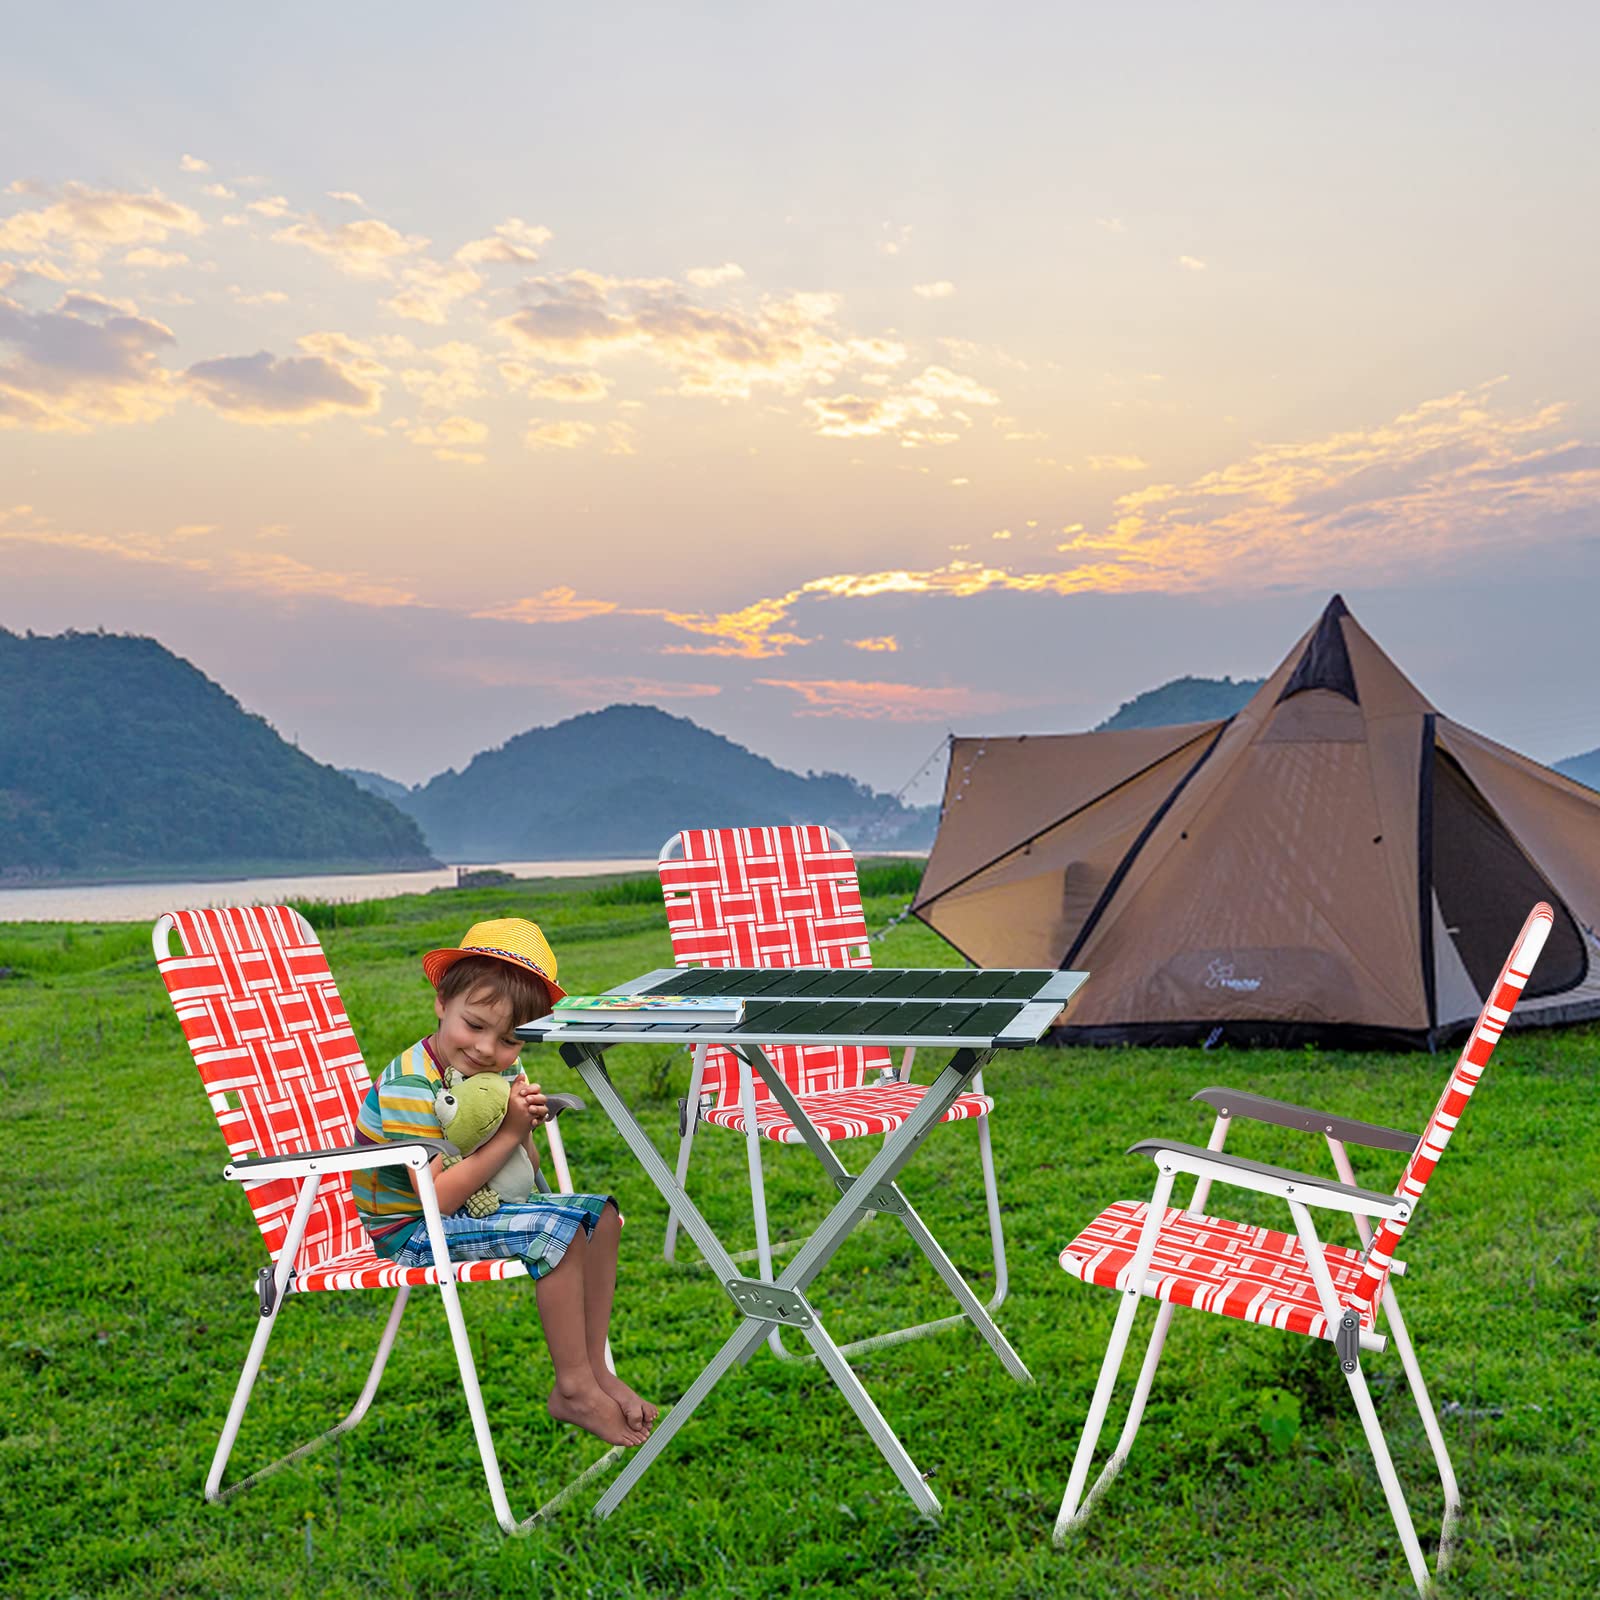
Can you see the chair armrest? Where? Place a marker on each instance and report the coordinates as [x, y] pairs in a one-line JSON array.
[[1283, 1182], [1281, 1114], [304, 1163], [557, 1103]]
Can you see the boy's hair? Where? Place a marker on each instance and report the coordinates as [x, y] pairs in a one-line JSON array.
[[474, 975]]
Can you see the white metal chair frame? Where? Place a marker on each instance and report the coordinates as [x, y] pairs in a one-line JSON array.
[[1300, 1191], [694, 1110], [311, 1169]]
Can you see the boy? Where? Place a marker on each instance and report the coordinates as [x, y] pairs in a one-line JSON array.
[[502, 974]]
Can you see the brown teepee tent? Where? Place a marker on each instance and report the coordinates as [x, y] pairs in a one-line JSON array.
[[1338, 863]]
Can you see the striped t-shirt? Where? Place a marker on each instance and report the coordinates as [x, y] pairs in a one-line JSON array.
[[400, 1105]]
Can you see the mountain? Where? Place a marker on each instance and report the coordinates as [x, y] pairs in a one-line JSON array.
[[1183, 700], [1584, 768], [375, 783], [117, 757], [623, 780]]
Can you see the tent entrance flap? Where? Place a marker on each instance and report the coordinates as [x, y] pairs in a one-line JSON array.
[[1481, 875]]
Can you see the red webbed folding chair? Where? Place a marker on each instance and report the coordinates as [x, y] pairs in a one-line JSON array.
[[789, 897], [1290, 1281], [285, 1077]]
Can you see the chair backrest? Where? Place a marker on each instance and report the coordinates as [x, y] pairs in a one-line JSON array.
[[769, 897], [1457, 1091], [282, 1069]]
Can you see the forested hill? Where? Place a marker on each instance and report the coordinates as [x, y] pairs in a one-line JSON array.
[[117, 756], [1183, 700], [622, 780]]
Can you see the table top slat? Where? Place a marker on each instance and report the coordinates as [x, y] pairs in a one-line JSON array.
[[866, 983], [962, 1006], [780, 1016]]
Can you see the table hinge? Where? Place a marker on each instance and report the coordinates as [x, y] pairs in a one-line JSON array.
[[884, 1198], [765, 1302]]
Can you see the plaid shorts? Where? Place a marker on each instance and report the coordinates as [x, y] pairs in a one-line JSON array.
[[538, 1232]]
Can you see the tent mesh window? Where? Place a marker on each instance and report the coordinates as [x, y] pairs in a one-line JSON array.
[[1485, 883]]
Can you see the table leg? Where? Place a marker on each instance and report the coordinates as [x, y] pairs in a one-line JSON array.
[[743, 1339], [975, 1309], [587, 1061], [939, 1098], [870, 1418]]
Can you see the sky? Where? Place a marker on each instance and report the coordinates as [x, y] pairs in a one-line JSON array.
[[838, 377]]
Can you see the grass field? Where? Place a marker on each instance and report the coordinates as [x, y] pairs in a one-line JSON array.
[[126, 1303]]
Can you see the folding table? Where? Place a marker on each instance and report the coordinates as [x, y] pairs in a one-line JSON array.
[[972, 1012]]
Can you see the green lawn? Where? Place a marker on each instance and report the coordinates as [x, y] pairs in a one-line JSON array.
[[126, 1305]]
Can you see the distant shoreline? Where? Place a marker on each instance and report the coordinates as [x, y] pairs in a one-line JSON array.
[[100, 903], [149, 897], [248, 871]]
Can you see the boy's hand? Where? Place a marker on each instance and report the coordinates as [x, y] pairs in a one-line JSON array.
[[532, 1101], [538, 1105], [519, 1115]]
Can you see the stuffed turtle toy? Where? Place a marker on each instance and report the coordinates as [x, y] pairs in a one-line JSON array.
[[469, 1111]]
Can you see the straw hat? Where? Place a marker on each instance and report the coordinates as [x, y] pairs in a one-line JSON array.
[[511, 939]]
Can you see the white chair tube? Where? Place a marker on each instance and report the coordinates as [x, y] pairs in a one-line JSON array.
[[1311, 1244], [758, 1190], [1347, 1174], [1391, 1482], [1158, 1334], [558, 1157], [258, 1343], [1430, 1426], [450, 1294], [1132, 1289], [991, 1197]]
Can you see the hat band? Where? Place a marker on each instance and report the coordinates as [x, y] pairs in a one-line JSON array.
[[505, 955]]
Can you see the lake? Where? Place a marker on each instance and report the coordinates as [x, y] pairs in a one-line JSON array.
[[144, 902]]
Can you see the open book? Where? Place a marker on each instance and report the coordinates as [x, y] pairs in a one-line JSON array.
[[581, 1008]]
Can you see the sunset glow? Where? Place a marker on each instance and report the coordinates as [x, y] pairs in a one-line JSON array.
[[1034, 394]]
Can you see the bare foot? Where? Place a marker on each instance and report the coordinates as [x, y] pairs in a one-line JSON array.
[[636, 1412], [595, 1412]]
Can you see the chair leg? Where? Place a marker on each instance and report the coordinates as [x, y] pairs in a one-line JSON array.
[[279, 1275], [258, 1346], [241, 1398], [991, 1195], [1141, 1393], [450, 1294], [692, 1116], [1131, 1283], [1098, 1406], [758, 1204], [1390, 1480], [758, 1201], [1430, 1426]]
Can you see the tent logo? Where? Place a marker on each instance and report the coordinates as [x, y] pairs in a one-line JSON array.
[[1220, 975]]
